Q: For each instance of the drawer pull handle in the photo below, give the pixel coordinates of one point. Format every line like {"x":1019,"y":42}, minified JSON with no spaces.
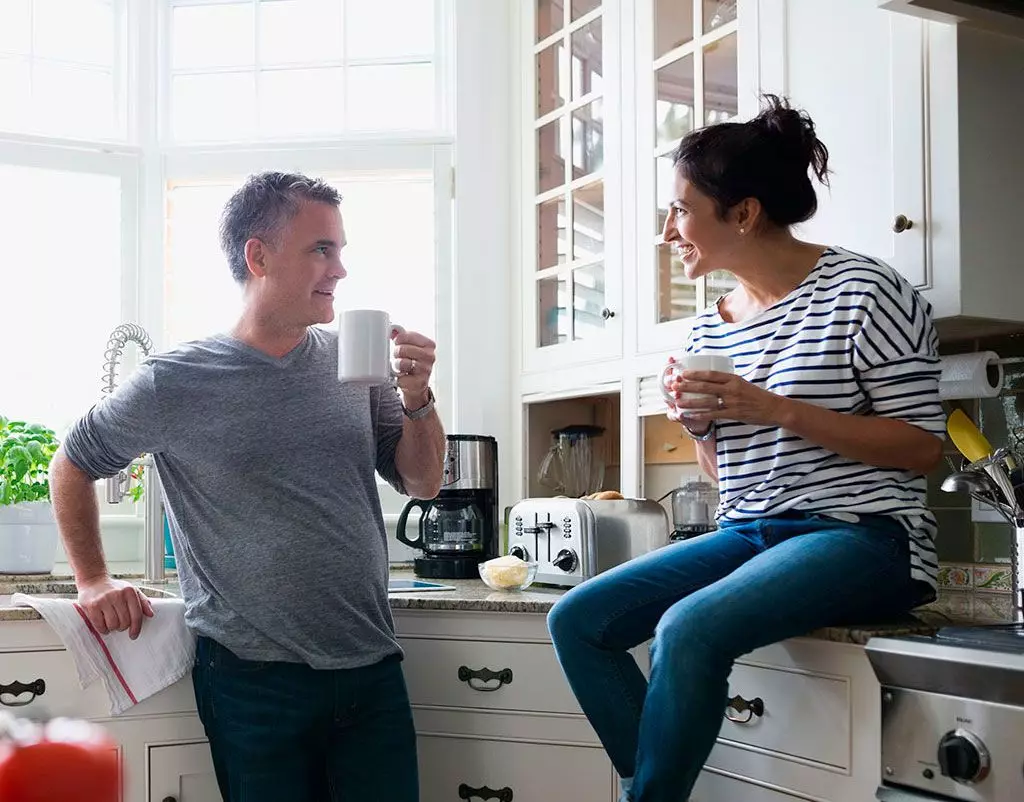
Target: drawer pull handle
{"x":37,"y":688}
{"x":502,"y":794}
{"x":482,"y":675}
{"x":745,"y":711}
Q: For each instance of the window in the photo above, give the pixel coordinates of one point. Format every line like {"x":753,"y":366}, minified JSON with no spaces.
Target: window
{"x":62,"y":68}
{"x":272,"y":69}
{"x":694,"y":70}
{"x":569,"y":193}
{"x":61,"y":278}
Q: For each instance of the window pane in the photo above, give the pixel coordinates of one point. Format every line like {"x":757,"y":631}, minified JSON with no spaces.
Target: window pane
{"x":718,"y":284}
{"x":66,"y":308}
{"x":588,"y":221}
{"x":300,"y":30}
{"x":75,"y":30}
{"x":552,"y":86}
{"x":717,"y":13}
{"x":588,"y":139}
{"x":200,"y":297}
{"x":553,"y":311}
{"x":677,"y":295}
{"x":550,"y":162}
{"x":673,"y":104}
{"x":15,"y":27}
{"x":673,"y":25}
{"x":384,"y":273}
{"x":665,"y":188}
{"x":15,"y":78}
{"x":209,"y":107}
{"x":386,"y":30}
{"x":552,"y":248}
{"x":302,"y":102}
{"x":213,"y":36}
{"x":69,"y":98}
{"x":720,"y":79}
{"x":587,"y":59}
{"x":549,"y":17}
{"x":581,"y":7}
{"x":588,"y":302}
{"x":391,"y":98}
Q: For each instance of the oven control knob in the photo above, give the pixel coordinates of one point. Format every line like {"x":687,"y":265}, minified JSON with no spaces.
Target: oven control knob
{"x":963,"y":757}
{"x":566,"y":560}
{"x":520,"y":552}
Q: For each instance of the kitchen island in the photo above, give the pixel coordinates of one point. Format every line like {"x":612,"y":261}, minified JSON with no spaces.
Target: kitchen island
{"x":494,"y":714}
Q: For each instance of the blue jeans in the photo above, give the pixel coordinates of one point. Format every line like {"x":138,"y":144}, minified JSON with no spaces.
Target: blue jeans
{"x":706,"y":602}
{"x":284,"y":731}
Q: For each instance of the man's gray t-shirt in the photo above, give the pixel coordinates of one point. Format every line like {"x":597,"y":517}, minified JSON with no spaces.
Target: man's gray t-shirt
{"x":268,"y":468}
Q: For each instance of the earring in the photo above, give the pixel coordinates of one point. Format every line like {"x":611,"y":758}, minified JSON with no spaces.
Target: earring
{"x":742,"y":230}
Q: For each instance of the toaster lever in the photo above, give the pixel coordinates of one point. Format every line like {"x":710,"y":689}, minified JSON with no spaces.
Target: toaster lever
{"x":540,"y":528}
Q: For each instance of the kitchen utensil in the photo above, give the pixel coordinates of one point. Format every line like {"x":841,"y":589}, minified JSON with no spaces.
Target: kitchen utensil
{"x":966,"y":437}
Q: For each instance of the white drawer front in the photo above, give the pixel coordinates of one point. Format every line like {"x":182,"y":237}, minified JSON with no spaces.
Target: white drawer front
{"x":712,"y":787}
{"x":63,"y":696}
{"x":454,"y":769}
{"x":806,"y":716}
{"x":458,"y":673}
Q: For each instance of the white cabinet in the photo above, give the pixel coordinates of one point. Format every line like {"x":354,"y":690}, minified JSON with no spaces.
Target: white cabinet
{"x":495,"y":719}
{"x":181,"y":773}
{"x":922,"y":124}
{"x":859,"y":73}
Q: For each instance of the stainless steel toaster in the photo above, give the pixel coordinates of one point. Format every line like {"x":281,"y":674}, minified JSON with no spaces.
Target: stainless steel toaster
{"x":574,"y":539}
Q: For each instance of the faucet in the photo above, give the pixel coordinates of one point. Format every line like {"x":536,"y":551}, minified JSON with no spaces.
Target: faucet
{"x":988,"y":483}
{"x":117,"y":486}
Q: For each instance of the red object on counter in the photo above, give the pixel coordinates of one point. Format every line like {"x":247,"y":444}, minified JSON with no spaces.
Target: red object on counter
{"x":61,"y":760}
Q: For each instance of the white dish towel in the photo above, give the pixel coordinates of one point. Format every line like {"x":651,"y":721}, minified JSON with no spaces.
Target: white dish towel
{"x":131,"y":670}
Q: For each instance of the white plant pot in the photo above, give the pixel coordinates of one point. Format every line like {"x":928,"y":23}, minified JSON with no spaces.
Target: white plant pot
{"x":28,"y":538}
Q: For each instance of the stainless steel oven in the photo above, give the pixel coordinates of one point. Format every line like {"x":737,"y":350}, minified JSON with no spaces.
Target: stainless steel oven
{"x":952,"y":714}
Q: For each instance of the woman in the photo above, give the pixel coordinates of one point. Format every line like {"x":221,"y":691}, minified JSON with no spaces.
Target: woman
{"x":820,"y":443}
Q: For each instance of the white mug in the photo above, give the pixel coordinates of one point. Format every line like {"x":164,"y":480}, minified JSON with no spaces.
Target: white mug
{"x":364,"y":346}
{"x":716,"y":362}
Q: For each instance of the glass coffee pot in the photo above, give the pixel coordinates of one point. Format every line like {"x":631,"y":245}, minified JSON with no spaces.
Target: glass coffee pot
{"x":449,"y":527}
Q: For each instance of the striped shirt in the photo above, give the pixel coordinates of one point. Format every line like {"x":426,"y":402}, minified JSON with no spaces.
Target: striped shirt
{"x":854,"y":337}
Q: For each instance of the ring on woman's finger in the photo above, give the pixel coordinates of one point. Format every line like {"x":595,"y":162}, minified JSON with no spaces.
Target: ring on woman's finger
{"x":721,"y":402}
{"x":412,"y":366}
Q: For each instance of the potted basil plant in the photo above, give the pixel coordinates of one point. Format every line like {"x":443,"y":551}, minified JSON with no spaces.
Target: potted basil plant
{"x":28,"y":530}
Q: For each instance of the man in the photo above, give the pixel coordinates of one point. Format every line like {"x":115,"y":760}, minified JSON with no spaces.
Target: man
{"x":267,"y":464}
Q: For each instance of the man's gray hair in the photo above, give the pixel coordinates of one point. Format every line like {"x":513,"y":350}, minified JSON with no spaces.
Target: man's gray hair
{"x":265,"y":203}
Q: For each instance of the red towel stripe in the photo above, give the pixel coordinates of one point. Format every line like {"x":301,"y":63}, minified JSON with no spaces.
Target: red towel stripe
{"x":106,"y":651}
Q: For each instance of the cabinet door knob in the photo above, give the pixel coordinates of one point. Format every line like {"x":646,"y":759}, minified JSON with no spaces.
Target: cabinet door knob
{"x":15,"y":689}
{"x":746,"y":710}
{"x":902,"y":223}
{"x":501,"y":794}
{"x":607,"y":313}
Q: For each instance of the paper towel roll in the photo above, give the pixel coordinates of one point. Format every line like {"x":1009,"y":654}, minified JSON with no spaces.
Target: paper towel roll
{"x":977,"y":375}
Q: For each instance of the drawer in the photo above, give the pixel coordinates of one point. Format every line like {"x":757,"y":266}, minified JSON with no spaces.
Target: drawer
{"x":453,"y":769}
{"x":63,"y":696}
{"x":711,"y":787}
{"x":806,"y":716}
{"x":486,"y":675}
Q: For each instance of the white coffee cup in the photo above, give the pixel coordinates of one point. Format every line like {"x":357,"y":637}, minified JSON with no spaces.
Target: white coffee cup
{"x":714,"y":362}
{"x":364,"y":346}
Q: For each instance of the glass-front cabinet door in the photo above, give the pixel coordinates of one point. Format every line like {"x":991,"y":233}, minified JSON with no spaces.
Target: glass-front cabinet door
{"x":696,"y":65}
{"x":574,"y":214}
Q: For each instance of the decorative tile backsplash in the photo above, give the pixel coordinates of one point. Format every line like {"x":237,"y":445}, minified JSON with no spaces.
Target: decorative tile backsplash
{"x":979,"y":549}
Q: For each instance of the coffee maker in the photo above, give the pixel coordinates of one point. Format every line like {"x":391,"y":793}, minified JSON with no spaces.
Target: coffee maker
{"x":458,"y":528}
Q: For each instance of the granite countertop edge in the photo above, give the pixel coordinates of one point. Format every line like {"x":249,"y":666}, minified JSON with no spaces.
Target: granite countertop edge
{"x":958,"y":608}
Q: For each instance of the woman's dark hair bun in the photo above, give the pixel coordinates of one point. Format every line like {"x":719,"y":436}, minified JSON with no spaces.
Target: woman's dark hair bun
{"x":771,"y":158}
{"x":795,"y":135}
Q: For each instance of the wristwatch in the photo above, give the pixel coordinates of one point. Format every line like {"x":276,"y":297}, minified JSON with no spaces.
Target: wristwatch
{"x":422,"y":412}
{"x":703,"y":436}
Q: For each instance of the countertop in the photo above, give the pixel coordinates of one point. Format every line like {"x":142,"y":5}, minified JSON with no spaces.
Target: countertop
{"x":960,"y":608}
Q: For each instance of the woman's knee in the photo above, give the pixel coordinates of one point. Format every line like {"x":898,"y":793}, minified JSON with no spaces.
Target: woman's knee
{"x":572,"y":616}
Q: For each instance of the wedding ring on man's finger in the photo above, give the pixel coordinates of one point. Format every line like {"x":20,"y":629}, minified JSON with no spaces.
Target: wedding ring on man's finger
{"x":412,"y":366}
{"x":721,"y":402}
